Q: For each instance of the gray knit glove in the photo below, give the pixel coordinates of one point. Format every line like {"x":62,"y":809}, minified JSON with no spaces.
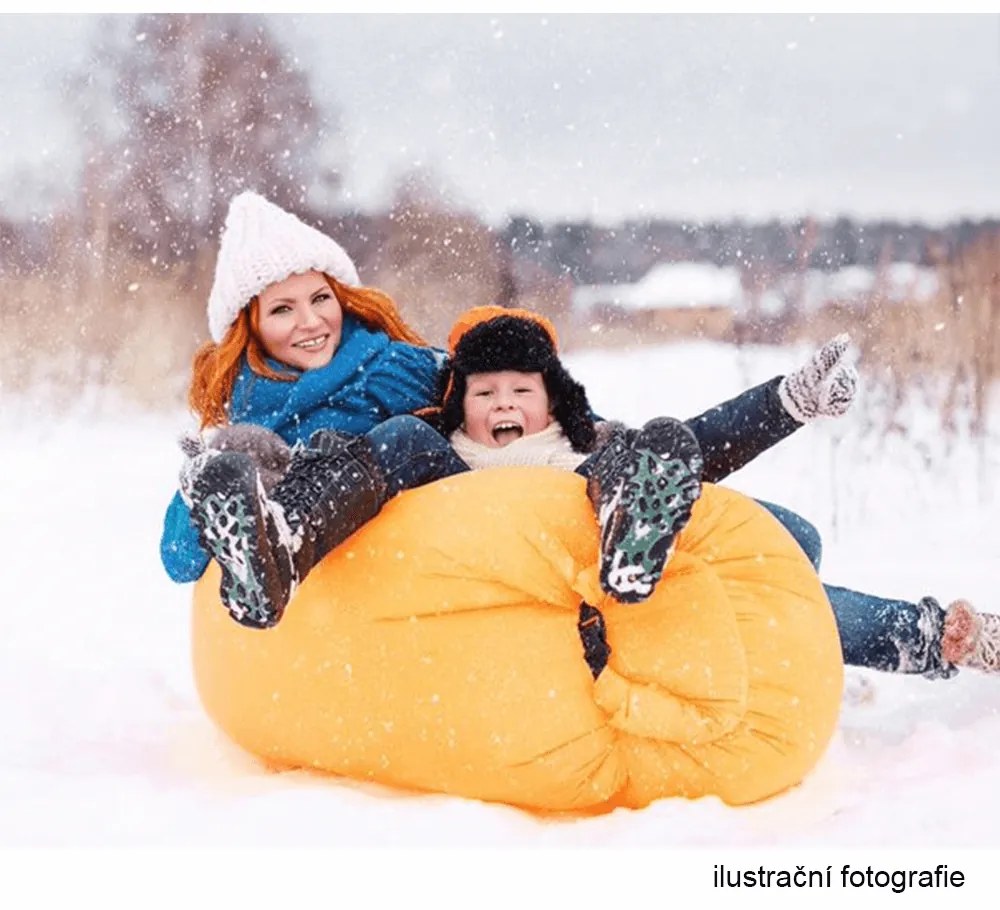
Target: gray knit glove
{"x":824,"y":387}
{"x":270,"y":453}
{"x":197,"y":452}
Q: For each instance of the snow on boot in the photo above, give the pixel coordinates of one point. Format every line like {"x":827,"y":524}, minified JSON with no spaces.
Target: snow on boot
{"x":266,"y":543}
{"x":971,"y":638}
{"x":643,"y":486}
{"x":246,"y":533}
{"x":270,"y":453}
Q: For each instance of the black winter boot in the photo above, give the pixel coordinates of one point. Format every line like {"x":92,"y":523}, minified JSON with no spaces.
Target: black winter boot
{"x":643,"y":486}
{"x":266,"y":543}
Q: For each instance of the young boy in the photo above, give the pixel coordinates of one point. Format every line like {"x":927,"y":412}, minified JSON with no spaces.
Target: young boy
{"x":505,"y":399}
{"x":508,"y":400}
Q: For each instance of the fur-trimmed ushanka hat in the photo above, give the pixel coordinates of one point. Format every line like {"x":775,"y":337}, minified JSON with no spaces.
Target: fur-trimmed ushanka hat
{"x":490,"y":339}
{"x":261,"y":244}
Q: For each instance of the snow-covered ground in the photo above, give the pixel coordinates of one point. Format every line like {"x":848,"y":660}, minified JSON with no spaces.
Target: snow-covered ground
{"x":103,"y":742}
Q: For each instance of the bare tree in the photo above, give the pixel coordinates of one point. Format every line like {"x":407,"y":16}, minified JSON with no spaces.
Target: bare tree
{"x":181,"y":111}
{"x":435,"y":259}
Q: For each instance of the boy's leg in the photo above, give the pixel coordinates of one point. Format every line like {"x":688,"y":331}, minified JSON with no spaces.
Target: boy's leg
{"x":878,"y":633}
{"x":643,"y":487}
{"x":897,"y":636}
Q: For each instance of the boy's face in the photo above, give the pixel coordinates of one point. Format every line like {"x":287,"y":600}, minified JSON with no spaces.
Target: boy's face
{"x":504,"y":406}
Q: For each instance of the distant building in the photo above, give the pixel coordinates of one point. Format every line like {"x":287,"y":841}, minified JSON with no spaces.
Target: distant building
{"x":707,"y":301}
{"x":677,"y":298}
{"x":897,"y":282}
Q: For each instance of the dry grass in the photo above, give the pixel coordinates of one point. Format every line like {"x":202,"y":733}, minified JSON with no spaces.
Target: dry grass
{"x":125,"y":327}
{"x":131,"y":327}
{"x":945,"y":350}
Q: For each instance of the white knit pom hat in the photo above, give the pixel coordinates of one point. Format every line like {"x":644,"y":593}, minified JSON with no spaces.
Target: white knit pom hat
{"x":261,"y":244}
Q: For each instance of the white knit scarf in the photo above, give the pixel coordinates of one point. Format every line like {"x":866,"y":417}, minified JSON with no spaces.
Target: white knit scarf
{"x":549,"y":447}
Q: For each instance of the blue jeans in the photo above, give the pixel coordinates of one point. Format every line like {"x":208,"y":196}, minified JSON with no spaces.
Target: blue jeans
{"x":411,"y":453}
{"x":896,"y":636}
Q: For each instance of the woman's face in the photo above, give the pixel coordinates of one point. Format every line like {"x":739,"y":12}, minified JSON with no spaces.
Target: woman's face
{"x":300,"y":321}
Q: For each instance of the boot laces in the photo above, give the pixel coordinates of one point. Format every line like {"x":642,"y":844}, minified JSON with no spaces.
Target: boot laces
{"x":310,"y":479}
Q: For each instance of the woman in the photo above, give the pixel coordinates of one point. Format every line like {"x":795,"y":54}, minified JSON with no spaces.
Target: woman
{"x":272,"y":363}
{"x":297,"y":348}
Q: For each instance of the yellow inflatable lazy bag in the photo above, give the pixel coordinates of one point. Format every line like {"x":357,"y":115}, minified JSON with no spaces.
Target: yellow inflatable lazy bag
{"x":441,"y":648}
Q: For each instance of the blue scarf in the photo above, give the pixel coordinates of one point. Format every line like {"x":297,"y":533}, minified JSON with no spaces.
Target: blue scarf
{"x":370,"y":378}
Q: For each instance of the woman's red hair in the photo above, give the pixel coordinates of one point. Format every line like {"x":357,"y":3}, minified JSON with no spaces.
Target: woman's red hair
{"x":215,"y":366}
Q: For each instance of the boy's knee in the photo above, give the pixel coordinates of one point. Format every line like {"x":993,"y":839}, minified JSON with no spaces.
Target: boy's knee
{"x":402,"y":422}
{"x":405,"y":426}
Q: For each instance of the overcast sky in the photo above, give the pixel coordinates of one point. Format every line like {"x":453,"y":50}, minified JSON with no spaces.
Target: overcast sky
{"x":607,"y":116}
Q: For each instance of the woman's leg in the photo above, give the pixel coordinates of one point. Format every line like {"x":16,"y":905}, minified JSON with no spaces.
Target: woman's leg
{"x":411,"y":453}
{"x":267,"y":538}
{"x":805,"y":533}
{"x":895,"y":636}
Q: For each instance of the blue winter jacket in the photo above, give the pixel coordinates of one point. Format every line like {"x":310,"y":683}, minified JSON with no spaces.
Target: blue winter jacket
{"x":370,"y":379}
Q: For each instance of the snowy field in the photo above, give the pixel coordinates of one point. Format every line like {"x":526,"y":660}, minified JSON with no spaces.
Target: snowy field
{"x":104,"y":743}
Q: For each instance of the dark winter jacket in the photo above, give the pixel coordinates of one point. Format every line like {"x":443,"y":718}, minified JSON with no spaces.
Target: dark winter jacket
{"x":370,"y":379}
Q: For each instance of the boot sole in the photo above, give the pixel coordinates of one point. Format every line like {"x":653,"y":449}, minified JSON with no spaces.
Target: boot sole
{"x":231,"y":524}
{"x":657,"y":490}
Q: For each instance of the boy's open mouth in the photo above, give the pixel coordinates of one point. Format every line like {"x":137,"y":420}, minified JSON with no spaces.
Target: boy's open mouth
{"x":505,"y":432}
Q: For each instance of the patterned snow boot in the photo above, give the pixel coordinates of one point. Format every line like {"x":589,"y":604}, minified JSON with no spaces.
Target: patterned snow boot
{"x":971,"y":638}
{"x":643,"y":486}
{"x":267,"y":542}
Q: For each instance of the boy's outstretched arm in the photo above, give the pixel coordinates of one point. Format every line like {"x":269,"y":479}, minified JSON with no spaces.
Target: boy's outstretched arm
{"x":734,"y":433}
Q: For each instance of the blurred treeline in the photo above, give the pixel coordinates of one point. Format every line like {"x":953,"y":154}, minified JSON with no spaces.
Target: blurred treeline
{"x":183,"y":111}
